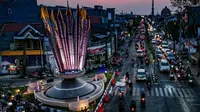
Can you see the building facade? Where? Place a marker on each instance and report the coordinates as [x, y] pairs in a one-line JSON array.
[[20, 40], [19, 11]]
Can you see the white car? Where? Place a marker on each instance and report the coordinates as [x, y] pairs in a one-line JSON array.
[[140, 53], [164, 65], [141, 74]]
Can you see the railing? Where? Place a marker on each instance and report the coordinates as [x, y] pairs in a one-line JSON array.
[[105, 92]]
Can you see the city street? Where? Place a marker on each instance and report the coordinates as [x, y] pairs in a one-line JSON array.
[[169, 96]]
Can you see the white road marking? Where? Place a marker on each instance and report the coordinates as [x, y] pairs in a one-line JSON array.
[[192, 91], [161, 92], [179, 92], [184, 92], [156, 89], [170, 92], [189, 93], [165, 91], [152, 93], [175, 92]]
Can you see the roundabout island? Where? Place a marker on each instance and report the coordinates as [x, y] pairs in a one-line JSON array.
[[68, 39]]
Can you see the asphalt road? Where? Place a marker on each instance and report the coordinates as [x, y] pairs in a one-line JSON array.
[[168, 96]]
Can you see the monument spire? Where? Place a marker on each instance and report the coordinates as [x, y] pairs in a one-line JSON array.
[[152, 9]]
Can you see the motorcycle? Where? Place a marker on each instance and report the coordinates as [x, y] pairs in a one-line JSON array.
[[143, 99], [156, 81], [149, 86], [146, 60], [190, 79], [133, 106], [132, 63]]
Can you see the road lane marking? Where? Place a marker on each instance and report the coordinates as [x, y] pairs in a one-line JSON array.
[[184, 92], [161, 92], [170, 92], [138, 91], [165, 91], [189, 93], [175, 92], [152, 93], [116, 91], [179, 92], [134, 91], [156, 89]]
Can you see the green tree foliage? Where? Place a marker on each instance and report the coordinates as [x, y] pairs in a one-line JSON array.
[[172, 28], [181, 3]]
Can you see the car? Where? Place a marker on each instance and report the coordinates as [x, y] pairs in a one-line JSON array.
[[164, 43], [167, 50], [154, 41], [164, 47], [140, 53], [170, 56], [159, 53], [164, 65], [141, 74]]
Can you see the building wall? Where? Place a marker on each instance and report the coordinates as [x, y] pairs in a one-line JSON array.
[[19, 11], [5, 40]]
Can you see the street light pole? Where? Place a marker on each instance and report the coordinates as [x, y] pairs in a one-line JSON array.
[[42, 64]]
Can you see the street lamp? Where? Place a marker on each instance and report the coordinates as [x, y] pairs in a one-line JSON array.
[[41, 57]]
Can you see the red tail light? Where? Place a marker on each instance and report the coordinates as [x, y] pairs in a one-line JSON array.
[[149, 84], [132, 109]]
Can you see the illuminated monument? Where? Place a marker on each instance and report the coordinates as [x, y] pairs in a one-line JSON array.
[[68, 36]]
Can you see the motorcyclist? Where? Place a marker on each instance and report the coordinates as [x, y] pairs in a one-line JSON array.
[[127, 74], [188, 71], [143, 93], [133, 105], [148, 80], [132, 60]]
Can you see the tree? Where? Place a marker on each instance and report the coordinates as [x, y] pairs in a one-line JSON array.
[[180, 3], [172, 28]]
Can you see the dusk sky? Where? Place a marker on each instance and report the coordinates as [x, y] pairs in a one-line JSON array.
[[135, 6]]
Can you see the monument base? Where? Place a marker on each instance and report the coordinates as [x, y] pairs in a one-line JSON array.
[[80, 94]]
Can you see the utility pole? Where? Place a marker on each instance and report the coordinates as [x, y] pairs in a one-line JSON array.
[[42, 64]]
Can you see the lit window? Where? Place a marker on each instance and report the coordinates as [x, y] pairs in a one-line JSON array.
[[9, 11]]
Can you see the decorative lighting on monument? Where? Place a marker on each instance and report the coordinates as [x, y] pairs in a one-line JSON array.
[[68, 36]]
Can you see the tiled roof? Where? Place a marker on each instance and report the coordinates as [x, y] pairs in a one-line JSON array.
[[16, 27]]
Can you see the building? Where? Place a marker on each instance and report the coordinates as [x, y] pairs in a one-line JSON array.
[[21, 11], [16, 37], [13, 11], [166, 12]]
